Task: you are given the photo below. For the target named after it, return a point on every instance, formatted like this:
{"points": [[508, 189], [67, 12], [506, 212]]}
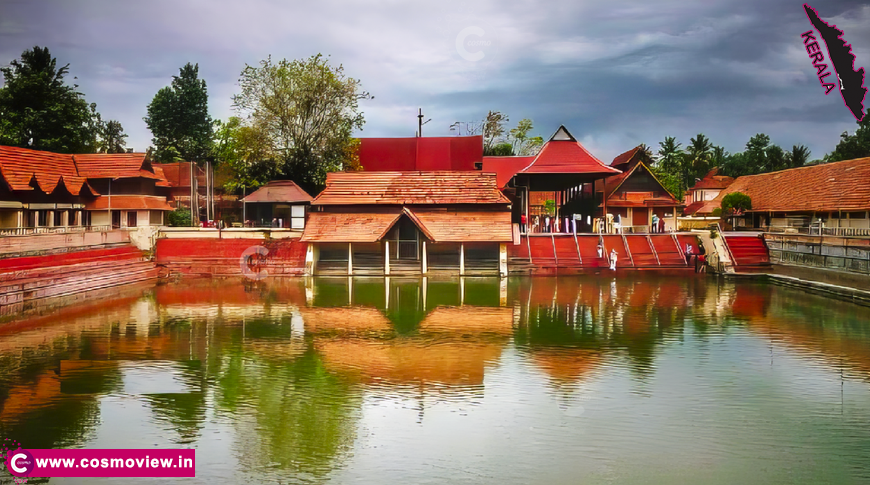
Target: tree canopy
{"points": [[736, 203], [852, 146], [178, 118], [499, 141], [39, 110], [304, 112]]}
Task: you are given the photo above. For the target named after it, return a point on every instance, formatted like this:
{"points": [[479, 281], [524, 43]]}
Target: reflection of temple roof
{"points": [[469, 319], [565, 363], [357, 318], [410, 361]]}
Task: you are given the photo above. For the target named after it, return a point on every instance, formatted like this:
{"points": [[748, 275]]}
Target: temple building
{"points": [[636, 194], [44, 191], [698, 198], [279, 203], [388, 223]]}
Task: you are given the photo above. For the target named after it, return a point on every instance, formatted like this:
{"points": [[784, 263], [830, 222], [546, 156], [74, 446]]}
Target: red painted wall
{"points": [[408, 154], [222, 256]]}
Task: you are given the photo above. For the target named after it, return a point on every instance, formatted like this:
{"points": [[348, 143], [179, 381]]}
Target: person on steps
{"points": [[613, 257]]}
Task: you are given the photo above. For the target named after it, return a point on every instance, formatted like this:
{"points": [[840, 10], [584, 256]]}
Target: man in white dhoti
{"points": [[613, 258]]}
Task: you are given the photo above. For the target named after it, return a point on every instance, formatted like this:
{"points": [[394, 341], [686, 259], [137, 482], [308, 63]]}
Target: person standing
{"points": [[655, 223], [547, 223], [613, 257], [523, 223], [537, 224], [661, 224], [618, 223]]}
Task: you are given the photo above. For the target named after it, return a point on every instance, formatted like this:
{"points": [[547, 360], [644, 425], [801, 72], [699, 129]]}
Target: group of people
{"points": [[613, 256], [700, 257], [545, 224]]}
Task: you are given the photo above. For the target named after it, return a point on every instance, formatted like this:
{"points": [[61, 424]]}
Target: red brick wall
{"points": [[220, 257]]}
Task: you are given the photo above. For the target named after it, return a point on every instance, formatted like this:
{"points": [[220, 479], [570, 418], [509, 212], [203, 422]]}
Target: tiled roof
{"points": [[713, 181], [563, 154], [612, 184], [827, 187], [624, 158], [158, 170], [129, 202], [505, 168], [19, 166], [399, 188], [436, 225], [349, 227], [114, 165], [465, 226], [279, 191], [178, 174]]}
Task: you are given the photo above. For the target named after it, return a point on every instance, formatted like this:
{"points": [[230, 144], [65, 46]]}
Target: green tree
{"points": [[112, 138], [243, 154], [669, 166], [699, 156], [39, 110], [305, 112], [178, 118], [736, 203], [493, 130], [522, 143], [798, 156], [852, 146], [501, 150]]}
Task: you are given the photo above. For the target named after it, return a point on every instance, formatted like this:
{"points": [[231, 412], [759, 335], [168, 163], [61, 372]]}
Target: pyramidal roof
{"points": [[564, 154]]}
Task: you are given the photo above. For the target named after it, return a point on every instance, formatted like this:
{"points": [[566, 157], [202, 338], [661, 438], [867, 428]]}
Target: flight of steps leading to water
{"points": [[566, 254], [24, 280], [748, 250]]}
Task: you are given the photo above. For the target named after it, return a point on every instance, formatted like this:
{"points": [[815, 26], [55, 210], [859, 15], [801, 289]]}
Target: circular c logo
{"points": [[249, 263], [21, 463], [461, 40]]}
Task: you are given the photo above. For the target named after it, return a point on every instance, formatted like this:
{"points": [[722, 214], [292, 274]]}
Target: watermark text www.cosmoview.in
{"points": [[101, 463]]}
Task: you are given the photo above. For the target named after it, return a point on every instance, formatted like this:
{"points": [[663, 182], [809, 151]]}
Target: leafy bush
{"points": [[178, 218], [736, 203]]}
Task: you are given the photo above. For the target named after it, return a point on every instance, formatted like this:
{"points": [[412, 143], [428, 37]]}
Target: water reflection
{"points": [[280, 379]]}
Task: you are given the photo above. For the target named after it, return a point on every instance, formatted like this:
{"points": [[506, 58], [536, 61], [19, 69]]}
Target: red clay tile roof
{"points": [[828, 187], [158, 170], [505, 168], [465, 226], [692, 208], [129, 202], [114, 165], [612, 184], [436, 225], [19, 166], [713, 181], [178, 174], [566, 155], [349, 227], [400, 188], [624, 158], [279, 191]]}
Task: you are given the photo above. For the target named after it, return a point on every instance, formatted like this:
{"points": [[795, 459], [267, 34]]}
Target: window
{"points": [[131, 219], [297, 217], [116, 219], [478, 165], [857, 215]]}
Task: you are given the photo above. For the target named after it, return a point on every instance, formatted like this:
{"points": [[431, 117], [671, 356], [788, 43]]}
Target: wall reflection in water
{"points": [[286, 366]]}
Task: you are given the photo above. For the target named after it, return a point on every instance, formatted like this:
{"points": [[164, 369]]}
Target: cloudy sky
{"points": [[616, 73]]}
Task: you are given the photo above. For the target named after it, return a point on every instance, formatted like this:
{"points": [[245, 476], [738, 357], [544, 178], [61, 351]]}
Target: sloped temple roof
{"points": [[279, 191], [563, 154], [411, 188], [828, 187], [436, 225], [21, 166]]}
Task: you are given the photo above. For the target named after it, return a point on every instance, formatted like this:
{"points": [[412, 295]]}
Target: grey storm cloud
{"points": [[616, 74]]}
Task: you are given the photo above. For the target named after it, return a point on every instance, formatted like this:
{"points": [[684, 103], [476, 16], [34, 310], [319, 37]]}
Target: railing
{"points": [[725, 243], [819, 231], [27, 231]]}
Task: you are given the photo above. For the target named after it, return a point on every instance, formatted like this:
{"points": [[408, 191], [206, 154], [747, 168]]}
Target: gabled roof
{"points": [[563, 154], [22, 167], [624, 158], [505, 168], [114, 166], [279, 191], [713, 181], [412, 188], [612, 184], [436, 225], [827, 187]]}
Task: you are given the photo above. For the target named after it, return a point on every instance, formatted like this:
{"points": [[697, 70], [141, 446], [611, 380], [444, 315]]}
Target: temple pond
{"points": [[640, 379]]}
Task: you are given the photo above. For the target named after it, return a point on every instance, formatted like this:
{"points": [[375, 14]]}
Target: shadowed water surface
{"points": [[526, 380]]}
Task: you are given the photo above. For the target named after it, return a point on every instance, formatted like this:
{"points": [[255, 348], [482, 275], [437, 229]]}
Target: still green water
{"points": [[527, 380]]}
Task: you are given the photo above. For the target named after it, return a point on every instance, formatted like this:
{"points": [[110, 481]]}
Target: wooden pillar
{"points": [[350, 259], [425, 292], [20, 218], [387, 260], [461, 259], [387, 291], [502, 260], [50, 217], [675, 219], [425, 259], [350, 290]]}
